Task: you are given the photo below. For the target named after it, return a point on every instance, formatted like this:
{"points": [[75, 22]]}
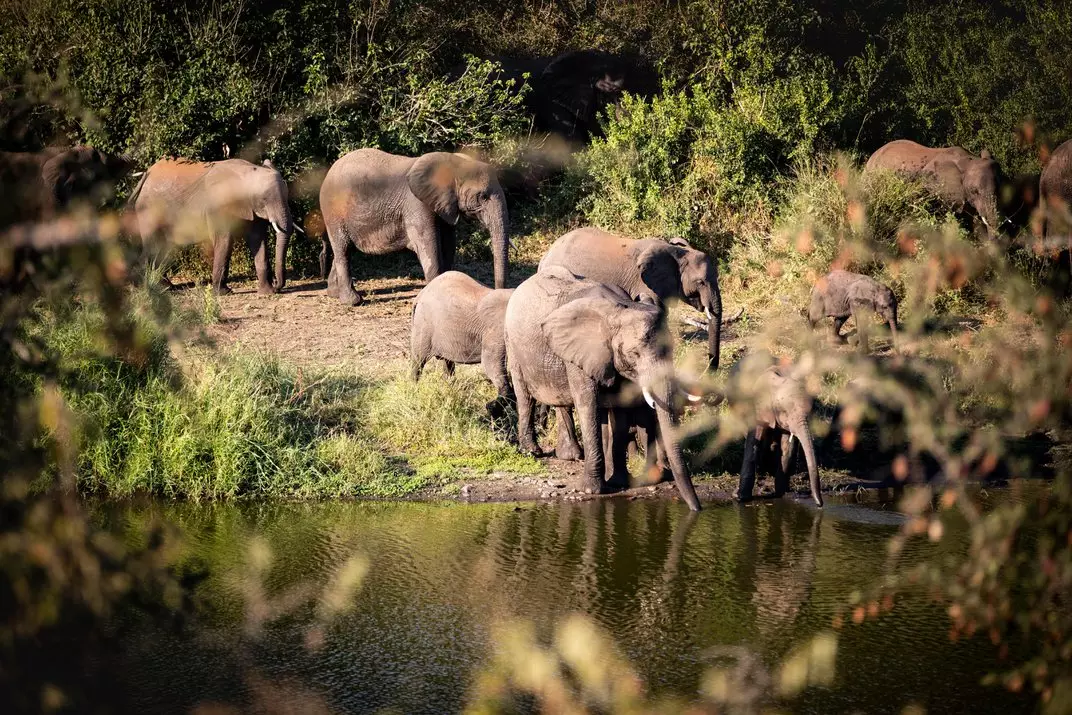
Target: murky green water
{"points": [[667, 586]]}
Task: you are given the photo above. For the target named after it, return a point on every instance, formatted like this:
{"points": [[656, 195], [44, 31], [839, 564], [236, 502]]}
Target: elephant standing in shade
{"points": [[38, 185], [573, 342], [216, 200], [460, 320], [647, 268], [383, 203], [782, 409], [841, 294], [967, 182], [1055, 190]]}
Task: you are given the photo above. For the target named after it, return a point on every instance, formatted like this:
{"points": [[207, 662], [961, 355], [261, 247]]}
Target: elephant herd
{"points": [[586, 335]]}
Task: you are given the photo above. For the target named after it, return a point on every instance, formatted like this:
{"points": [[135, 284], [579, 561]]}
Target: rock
{"points": [[466, 490]]}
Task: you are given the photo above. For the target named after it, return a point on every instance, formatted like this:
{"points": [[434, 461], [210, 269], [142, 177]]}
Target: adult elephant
{"points": [[382, 203], [645, 268], [38, 185], [577, 343], [967, 182], [1055, 191], [216, 200]]}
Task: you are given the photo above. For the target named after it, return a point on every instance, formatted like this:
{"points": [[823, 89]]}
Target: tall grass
{"points": [[220, 426]]}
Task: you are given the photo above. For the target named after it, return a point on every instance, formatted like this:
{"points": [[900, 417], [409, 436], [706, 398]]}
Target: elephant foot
{"points": [[592, 486], [352, 300], [533, 449], [266, 289], [223, 289], [570, 451], [619, 481]]}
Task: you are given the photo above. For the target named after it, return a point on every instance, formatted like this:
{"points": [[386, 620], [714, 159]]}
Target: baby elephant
{"points": [[783, 407], [840, 294], [459, 320]]}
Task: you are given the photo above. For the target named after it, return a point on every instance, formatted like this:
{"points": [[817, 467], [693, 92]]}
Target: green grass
{"points": [[225, 425]]}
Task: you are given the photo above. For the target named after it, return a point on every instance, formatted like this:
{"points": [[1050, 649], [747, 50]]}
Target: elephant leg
{"points": [[863, 319], [339, 279], [324, 258], [618, 424], [222, 245], [836, 332], [423, 238], [783, 470], [566, 446], [448, 367], [493, 363], [257, 243], [591, 435], [448, 246], [747, 481], [526, 428]]}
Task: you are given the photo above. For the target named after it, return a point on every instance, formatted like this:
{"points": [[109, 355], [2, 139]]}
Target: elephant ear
{"points": [[432, 179], [678, 241], [946, 180], [658, 264], [58, 178], [227, 193], [578, 333]]}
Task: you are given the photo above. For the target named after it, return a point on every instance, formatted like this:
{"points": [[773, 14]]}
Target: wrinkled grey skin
{"points": [[782, 408], [38, 185], [382, 203], [1055, 190], [840, 294], [967, 182], [217, 200], [647, 268], [460, 320], [574, 342]]}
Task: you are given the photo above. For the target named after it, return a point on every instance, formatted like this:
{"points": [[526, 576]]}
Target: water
{"points": [[667, 585]]}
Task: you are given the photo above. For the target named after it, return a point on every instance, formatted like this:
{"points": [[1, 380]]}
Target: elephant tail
{"points": [[133, 199]]}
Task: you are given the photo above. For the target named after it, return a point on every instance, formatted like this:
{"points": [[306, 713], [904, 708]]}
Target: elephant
{"points": [[569, 91], [459, 320], [840, 294], [383, 203], [636, 423], [38, 185], [966, 182], [215, 200], [575, 342], [1055, 190], [782, 409], [645, 268]]}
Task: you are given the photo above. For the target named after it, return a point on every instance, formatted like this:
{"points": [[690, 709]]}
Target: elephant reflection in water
{"points": [[776, 563]]}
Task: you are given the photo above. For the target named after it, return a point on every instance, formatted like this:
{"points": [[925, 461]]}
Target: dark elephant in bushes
{"points": [[459, 320], [1055, 191], [38, 185], [213, 202], [573, 342], [382, 203], [841, 294], [966, 182], [645, 268]]}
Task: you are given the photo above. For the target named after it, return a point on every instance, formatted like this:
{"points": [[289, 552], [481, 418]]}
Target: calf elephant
{"points": [[37, 185], [968, 183], [383, 203], [216, 200], [459, 320], [841, 294], [574, 342], [782, 409], [648, 268]]}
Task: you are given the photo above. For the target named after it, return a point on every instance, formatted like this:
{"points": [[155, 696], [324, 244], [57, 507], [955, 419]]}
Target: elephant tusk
{"points": [[136, 174], [707, 313], [985, 222], [648, 398], [695, 323], [299, 229], [693, 398]]}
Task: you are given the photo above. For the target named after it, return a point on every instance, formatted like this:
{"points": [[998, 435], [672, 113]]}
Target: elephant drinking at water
{"points": [[382, 203], [574, 342]]}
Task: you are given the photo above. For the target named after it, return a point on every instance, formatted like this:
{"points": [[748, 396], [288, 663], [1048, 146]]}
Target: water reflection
{"points": [[668, 584]]}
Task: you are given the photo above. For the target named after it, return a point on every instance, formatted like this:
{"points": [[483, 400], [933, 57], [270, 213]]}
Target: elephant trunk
{"points": [[281, 241], [674, 458], [496, 221], [713, 309], [988, 213], [803, 435]]}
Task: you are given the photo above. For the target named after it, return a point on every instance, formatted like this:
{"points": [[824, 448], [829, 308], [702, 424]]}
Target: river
{"points": [[668, 586]]}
